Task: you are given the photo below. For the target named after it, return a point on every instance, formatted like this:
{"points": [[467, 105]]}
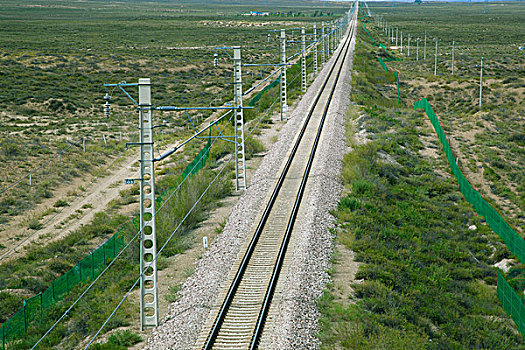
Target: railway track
{"points": [[238, 322]]}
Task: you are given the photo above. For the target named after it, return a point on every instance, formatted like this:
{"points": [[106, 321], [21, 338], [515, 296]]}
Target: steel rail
{"points": [[291, 222], [244, 263]]}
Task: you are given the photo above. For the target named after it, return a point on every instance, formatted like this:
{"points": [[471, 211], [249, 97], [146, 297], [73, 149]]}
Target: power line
{"points": [[120, 253]]}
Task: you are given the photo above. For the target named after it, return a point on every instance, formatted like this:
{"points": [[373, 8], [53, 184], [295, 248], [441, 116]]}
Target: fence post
{"points": [[92, 266], [41, 307], [25, 317]]}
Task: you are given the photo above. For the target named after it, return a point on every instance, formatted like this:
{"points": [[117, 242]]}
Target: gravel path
{"points": [[181, 327]]}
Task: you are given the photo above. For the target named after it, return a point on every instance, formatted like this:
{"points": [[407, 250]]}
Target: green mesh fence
{"points": [[511, 302], [397, 84], [514, 242], [382, 64], [257, 97], [35, 308]]}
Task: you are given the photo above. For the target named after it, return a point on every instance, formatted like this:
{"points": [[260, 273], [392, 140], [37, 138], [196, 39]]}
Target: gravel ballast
{"points": [[312, 247]]}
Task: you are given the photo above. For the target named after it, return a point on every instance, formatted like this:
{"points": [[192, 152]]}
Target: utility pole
{"points": [[417, 49], [436, 58], [425, 49], [323, 58], [240, 161], [481, 82], [397, 35], [408, 46], [303, 60], [284, 106], [316, 44], [149, 301], [452, 57]]}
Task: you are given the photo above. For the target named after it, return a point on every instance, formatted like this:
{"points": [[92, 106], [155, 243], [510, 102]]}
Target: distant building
{"points": [[256, 13]]}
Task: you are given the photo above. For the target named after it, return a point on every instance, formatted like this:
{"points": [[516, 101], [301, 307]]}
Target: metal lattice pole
{"points": [[284, 105], [323, 39], [303, 60], [316, 44], [149, 306], [240, 161]]}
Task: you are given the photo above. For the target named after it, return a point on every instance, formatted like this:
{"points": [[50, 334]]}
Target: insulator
{"points": [[107, 106], [107, 110]]}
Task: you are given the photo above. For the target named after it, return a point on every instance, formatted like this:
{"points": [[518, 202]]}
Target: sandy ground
{"points": [[96, 197]]}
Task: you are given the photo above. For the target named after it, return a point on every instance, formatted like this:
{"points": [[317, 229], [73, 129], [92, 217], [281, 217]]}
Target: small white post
{"points": [[436, 58], [104, 138], [481, 82], [84, 144], [452, 57], [30, 180]]}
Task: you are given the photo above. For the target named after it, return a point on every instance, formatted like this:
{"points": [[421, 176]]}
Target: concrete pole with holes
{"points": [[303, 60], [149, 301], [284, 105], [425, 47], [329, 50], [315, 50], [323, 57], [240, 160]]}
